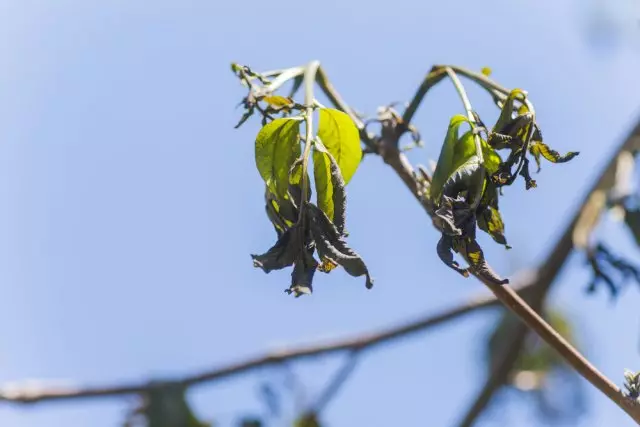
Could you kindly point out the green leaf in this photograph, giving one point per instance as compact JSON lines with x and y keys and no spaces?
{"x":506,"y":114}
{"x":341,"y":138}
{"x":276,"y":150}
{"x":331,"y":195}
{"x":445,"y":165}
{"x":492,"y":159}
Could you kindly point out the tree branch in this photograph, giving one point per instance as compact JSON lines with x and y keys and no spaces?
{"x":358,"y":343}
{"x":548,"y":271}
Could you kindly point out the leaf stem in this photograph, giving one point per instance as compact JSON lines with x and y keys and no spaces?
{"x":309,"y":79}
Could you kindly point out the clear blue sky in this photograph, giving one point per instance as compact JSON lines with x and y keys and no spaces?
{"x":130,"y":205}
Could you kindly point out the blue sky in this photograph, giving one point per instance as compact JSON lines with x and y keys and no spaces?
{"x":131,"y":205}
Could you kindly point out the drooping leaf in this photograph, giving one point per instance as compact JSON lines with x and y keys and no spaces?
{"x":331,"y":194}
{"x":341,"y":138}
{"x":489,"y":218}
{"x":282,"y":254}
{"x":302,"y":274}
{"x":444,"y":249}
{"x":472,"y":252}
{"x":632,"y":219}
{"x":331,"y":244}
{"x":445,"y":166}
{"x":276,"y":150}
{"x":537,"y":149}
{"x":490,"y":221}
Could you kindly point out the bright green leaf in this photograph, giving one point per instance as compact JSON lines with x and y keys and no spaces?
{"x":322,"y":175}
{"x":445,"y":165}
{"x":340,"y":136}
{"x":276,"y":149}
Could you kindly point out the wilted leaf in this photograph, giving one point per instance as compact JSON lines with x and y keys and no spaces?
{"x":302,"y":275}
{"x":331,"y":195}
{"x":444,"y":249}
{"x":276,"y":149}
{"x":331,"y":244}
{"x":537,"y":148}
{"x":282,"y":254}
{"x":472,"y":252}
{"x":632,"y":218}
{"x":341,"y":138}
{"x":489,"y":218}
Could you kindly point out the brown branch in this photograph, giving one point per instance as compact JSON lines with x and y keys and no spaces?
{"x":548,"y":270}
{"x":358,"y":343}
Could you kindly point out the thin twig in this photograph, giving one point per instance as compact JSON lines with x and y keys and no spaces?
{"x":361,"y":342}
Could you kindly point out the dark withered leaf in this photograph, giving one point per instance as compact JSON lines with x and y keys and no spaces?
{"x":464,"y":178}
{"x":445,"y":253}
{"x":244,"y":117}
{"x":632,"y":218}
{"x":524,"y":172}
{"x":331,"y":244}
{"x":472,"y":252}
{"x":282,"y":213}
{"x":282,"y":254}
{"x":302,"y":274}
{"x":451,"y":213}
{"x":489,"y":218}
{"x":295,"y":183}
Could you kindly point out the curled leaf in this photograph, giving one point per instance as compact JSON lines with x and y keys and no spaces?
{"x":537,"y":149}
{"x":330,"y":186}
{"x":302,"y":274}
{"x":331,"y":245}
{"x":444,"y":249}
{"x":472,"y":252}
{"x":282,"y":254}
